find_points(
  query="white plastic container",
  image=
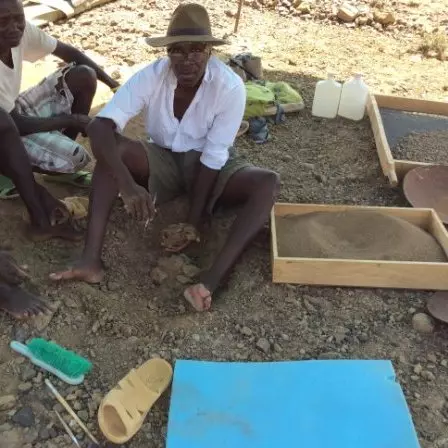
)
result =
(353, 98)
(326, 98)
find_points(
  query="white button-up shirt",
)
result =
(209, 125)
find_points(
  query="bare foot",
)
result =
(199, 297)
(19, 303)
(10, 272)
(62, 231)
(85, 272)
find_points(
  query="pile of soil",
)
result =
(358, 235)
(430, 147)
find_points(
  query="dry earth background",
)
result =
(138, 311)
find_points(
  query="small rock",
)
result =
(7, 402)
(113, 286)
(432, 358)
(246, 331)
(278, 348)
(39, 377)
(309, 166)
(196, 337)
(418, 369)
(24, 417)
(363, 337)
(362, 21)
(77, 405)
(435, 402)
(285, 337)
(28, 373)
(44, 434)
(444, 363)
(423, 323)
(348, 13)
(58, 407)
(158, 276)
(24, 387)
(384, 18)
(183, 280)
(71, 303)
(190, 270)
(340, 334)
(83, 415)
(427, 375)
(263, 345)
(304, 8)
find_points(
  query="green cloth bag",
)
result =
(261, 95)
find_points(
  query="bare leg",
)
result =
(256, 189)
(14, 163)
(102, 197)
(82, 82)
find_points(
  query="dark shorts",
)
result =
(173, 173)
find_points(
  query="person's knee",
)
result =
(269, 181)
(82, 78)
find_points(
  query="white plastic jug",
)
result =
(326, 98)
(353, 98)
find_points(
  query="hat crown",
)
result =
(189, 19)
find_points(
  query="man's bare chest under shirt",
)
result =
(182, 101)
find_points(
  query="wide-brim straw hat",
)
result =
(189, 23)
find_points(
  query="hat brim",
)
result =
(170, 40)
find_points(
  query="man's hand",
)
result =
(138, 202)
(114, 85)
(81, 122)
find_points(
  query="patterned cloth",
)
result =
(51, 151)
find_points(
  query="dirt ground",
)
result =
(135, 314)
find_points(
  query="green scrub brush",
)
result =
(66, 365)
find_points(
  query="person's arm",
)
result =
(69, 54)
(32, 125)
(216, 151)
(128, 102)
(103, 141)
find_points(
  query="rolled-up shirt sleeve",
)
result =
(226, 124)
(131, 98)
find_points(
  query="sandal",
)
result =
(7, 189)
(124, 409)
(81, 179)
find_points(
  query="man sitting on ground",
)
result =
(194, 105)
(49, 116)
